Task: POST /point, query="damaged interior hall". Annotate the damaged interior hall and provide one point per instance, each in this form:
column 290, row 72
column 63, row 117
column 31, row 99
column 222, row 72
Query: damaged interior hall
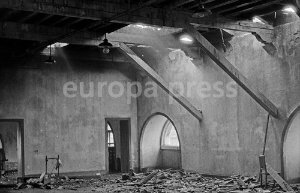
column 149, row 96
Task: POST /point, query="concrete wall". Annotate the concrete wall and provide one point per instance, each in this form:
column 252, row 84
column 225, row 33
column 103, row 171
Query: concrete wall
column 230, row 137
column 73, row 127
column 8, row 131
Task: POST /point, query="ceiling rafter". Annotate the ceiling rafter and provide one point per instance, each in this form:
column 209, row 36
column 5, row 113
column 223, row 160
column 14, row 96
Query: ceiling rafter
column 28, row 17
column 43, row 19
column 238, row 6
column 255, row 7
column 222, row 4
column 178, row 3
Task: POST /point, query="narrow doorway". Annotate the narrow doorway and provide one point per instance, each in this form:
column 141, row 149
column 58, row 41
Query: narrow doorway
column 118, row 145
column 11, row 150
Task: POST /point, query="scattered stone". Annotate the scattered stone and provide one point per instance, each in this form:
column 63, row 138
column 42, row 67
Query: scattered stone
column 125, row 177
column 20, row 186
column 66, row 178
column 157, row 181
column 60, row 188
column 42, row 177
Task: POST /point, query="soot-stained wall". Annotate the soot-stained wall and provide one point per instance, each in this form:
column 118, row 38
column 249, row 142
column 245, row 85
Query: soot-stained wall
column 230, row 137
column 64, row 110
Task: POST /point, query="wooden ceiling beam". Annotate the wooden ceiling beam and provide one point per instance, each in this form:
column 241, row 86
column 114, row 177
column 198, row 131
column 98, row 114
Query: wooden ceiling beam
column 151, row 16
column 222, row 4
column 178, row 3
column 73, row 22
column 43, row 19
column 60, row 21
column 238, row 6
column 28, row 17
column 262, row 5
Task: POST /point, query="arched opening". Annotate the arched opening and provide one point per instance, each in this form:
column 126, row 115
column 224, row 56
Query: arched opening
column 160, row 144
column 169, row 137
column 291, row 151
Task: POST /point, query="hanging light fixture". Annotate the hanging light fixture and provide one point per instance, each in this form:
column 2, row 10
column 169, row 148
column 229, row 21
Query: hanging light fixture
column 50, row 59
column 105, row 45
column 201, row 11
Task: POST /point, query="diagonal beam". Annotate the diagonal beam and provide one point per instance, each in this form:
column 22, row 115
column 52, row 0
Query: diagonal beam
column 161, row 82
column 222, row 62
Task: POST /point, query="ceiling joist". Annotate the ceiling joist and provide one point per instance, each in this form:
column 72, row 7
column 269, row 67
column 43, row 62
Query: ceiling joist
column 151, row 16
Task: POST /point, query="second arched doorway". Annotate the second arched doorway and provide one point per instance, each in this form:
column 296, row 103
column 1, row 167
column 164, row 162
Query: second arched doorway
column 160, row 143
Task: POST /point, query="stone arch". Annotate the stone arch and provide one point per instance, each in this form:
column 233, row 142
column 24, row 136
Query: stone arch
column 151, row 153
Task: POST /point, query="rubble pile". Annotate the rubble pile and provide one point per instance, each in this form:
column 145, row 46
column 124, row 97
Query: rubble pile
column 8, row 178
column 160, row 181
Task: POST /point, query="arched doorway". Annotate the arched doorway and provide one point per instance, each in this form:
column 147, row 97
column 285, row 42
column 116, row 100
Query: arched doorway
column 160, row 143
column 291, row 148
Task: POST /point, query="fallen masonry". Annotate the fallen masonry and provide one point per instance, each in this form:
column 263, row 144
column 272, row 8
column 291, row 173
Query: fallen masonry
column 163, row 181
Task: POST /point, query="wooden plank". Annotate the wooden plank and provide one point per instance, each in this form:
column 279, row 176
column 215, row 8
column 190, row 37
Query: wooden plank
column 178, row 3
column 59, row 21
column 161, row 82
column 222, row 62
column 151, row 15
column 281, row 182
column 238, row 6
column 262, row 5
column 201, row 3
column 222, row 4
column 43, row 19
column 28, row 17
column 73, row 22
column 148, row 178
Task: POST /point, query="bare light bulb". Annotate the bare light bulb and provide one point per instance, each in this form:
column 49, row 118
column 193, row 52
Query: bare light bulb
column 105, row 50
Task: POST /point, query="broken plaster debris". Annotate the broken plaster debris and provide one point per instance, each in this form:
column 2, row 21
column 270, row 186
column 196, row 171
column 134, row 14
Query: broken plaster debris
column 160, row 181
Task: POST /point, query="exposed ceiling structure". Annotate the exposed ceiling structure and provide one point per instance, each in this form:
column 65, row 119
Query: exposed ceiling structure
column 29, row 26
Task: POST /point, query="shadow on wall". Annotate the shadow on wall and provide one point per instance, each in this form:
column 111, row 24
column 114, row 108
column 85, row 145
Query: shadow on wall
column 291, row 151
column 159, row 145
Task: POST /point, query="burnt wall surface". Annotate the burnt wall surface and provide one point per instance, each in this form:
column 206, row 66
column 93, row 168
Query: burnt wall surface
column 69, row 122
column 230, row 137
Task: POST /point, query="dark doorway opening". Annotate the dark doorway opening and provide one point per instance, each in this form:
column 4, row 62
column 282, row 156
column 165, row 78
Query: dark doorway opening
column 117, row 144
column 11, row 150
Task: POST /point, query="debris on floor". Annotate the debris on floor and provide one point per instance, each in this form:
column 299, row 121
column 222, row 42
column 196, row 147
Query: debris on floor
column 9, row 177
column 163, row 181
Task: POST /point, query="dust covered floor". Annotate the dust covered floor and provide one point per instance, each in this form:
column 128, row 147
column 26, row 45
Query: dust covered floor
column 160, row 181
